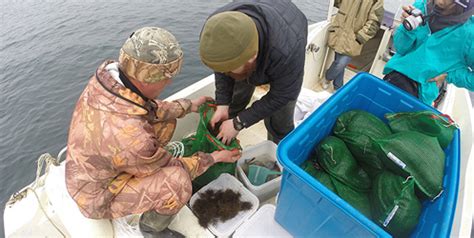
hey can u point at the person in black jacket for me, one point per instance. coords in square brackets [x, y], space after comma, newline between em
[253, 43]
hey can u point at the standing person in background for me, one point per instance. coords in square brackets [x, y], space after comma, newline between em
[356, 22]
[438, 48]
[252, 43]
[117, 161]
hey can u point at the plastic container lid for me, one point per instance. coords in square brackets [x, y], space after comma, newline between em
[227, 181]
[262, 224]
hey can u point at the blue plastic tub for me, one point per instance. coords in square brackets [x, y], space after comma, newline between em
[307, 208]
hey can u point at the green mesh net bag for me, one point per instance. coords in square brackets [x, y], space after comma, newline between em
[426, 122]
[188, 145]
[336, 160]
[316, 172]
[394, 203]
[358, 129]
[359, 200]
[204, 141]
[411, 153]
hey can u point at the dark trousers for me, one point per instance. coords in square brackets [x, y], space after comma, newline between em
[402, 82]
[278, 125]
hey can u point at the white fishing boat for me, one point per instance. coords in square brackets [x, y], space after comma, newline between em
[44, 208]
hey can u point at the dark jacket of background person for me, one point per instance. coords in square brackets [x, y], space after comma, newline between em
[283, 31]
[356, 22]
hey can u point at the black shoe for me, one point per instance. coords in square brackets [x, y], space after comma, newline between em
[149, 232]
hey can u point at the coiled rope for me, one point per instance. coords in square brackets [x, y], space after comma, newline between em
[44, 159]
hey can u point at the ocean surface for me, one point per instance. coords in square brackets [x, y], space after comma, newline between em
[48, 51]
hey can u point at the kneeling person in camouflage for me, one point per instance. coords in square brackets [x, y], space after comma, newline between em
[116, 162]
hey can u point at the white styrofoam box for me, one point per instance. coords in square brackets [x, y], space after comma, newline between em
[186, 223]
[227, 181]
[262, 224]
[268, 189]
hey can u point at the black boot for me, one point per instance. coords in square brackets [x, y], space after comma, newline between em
[166, 233]
[154, 225]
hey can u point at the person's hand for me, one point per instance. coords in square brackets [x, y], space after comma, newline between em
[227, 132]
[221, 114]
[406, 10]
[226, 156]
[195, 103]
[439, 79]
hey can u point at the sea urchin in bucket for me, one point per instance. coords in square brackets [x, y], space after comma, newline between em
[218, 205]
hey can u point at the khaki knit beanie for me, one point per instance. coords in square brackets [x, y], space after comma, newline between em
[228, 40]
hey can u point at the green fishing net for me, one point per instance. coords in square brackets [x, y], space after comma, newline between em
[204, 141]
[358, 129]
[319, 174]
[394, 203]
[425, 122]
[418, 155]
[336, 160]
[359, 200]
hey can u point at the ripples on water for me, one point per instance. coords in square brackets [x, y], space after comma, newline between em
[49, 49]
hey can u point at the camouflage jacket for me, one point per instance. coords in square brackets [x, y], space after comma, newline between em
[111, 141]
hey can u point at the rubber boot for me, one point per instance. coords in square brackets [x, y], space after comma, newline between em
[153, 225]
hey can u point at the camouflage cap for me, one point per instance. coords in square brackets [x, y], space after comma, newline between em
[150, 55]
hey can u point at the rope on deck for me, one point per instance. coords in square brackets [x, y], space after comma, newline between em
[176, 148]
[44, 159]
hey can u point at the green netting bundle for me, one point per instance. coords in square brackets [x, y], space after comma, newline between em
[358, 129]
[204, 141]
[336, 160]
[426, 122]
[319, 174]
[359, 200]
[394, 203]
[418, 155]
[188, 145]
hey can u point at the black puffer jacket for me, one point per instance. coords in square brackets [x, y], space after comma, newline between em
[283, 31]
